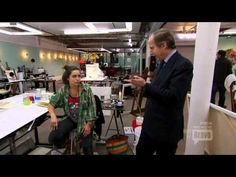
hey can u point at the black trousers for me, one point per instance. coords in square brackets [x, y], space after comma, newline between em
[221, 89]
[59, 136]
[147, 146]
[98, 129]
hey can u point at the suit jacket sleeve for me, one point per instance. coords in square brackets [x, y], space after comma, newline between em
[175, 88]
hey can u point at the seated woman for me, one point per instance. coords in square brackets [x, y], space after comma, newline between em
[79, 106]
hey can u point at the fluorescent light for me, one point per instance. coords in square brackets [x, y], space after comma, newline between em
[229, 31]
[102, 49]
[128, 26]
[5, 24]
[90, 26]
[74, 49]
[186, 36]
[26, 33]
[76, 31]
[130, 44]
[116, 30]
[99, 49]
[94, 30]
[28, 30]
[5, 32]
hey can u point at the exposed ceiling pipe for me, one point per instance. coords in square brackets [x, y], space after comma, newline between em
[154, 26]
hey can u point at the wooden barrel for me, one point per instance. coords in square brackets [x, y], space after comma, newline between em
[117, 144]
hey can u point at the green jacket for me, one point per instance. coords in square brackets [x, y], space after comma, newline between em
[87, 108]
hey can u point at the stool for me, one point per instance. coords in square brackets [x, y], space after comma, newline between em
[116, 114]
[73, 141]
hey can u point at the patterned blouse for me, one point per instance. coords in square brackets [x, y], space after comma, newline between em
[87, 106]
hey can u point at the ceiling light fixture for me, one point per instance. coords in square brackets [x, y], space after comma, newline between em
[76, 31]
[27, 30]
[229, 31]
[90, 26]
[102, 49]
[79, 49]
[130, 43]
[186, 36]
[74, 49]
[93, 30]
[128, 26]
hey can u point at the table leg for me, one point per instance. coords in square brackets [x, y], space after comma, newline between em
[108, 128]
[54, 86]
[12, 144]
[121, 122]
[116, 116]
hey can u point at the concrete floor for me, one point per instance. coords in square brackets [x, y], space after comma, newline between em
[100, 148]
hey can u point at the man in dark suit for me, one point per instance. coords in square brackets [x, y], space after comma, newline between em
[223, 68]
[163, 119]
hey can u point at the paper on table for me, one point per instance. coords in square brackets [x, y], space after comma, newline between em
[6, 104]
[43, 103]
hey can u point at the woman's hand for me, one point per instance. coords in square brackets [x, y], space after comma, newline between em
[87, 129]
[54, 122]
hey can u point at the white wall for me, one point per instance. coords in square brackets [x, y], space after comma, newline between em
[227, 43]
[224, 43]
[34, 41]
[187, 51]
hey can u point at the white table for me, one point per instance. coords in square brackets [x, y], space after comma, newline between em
[17, 80]
[19, 115]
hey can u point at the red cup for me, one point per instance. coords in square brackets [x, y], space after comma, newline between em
[31, 98]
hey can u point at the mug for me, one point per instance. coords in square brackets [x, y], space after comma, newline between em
[119, 103]
[139, 120]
